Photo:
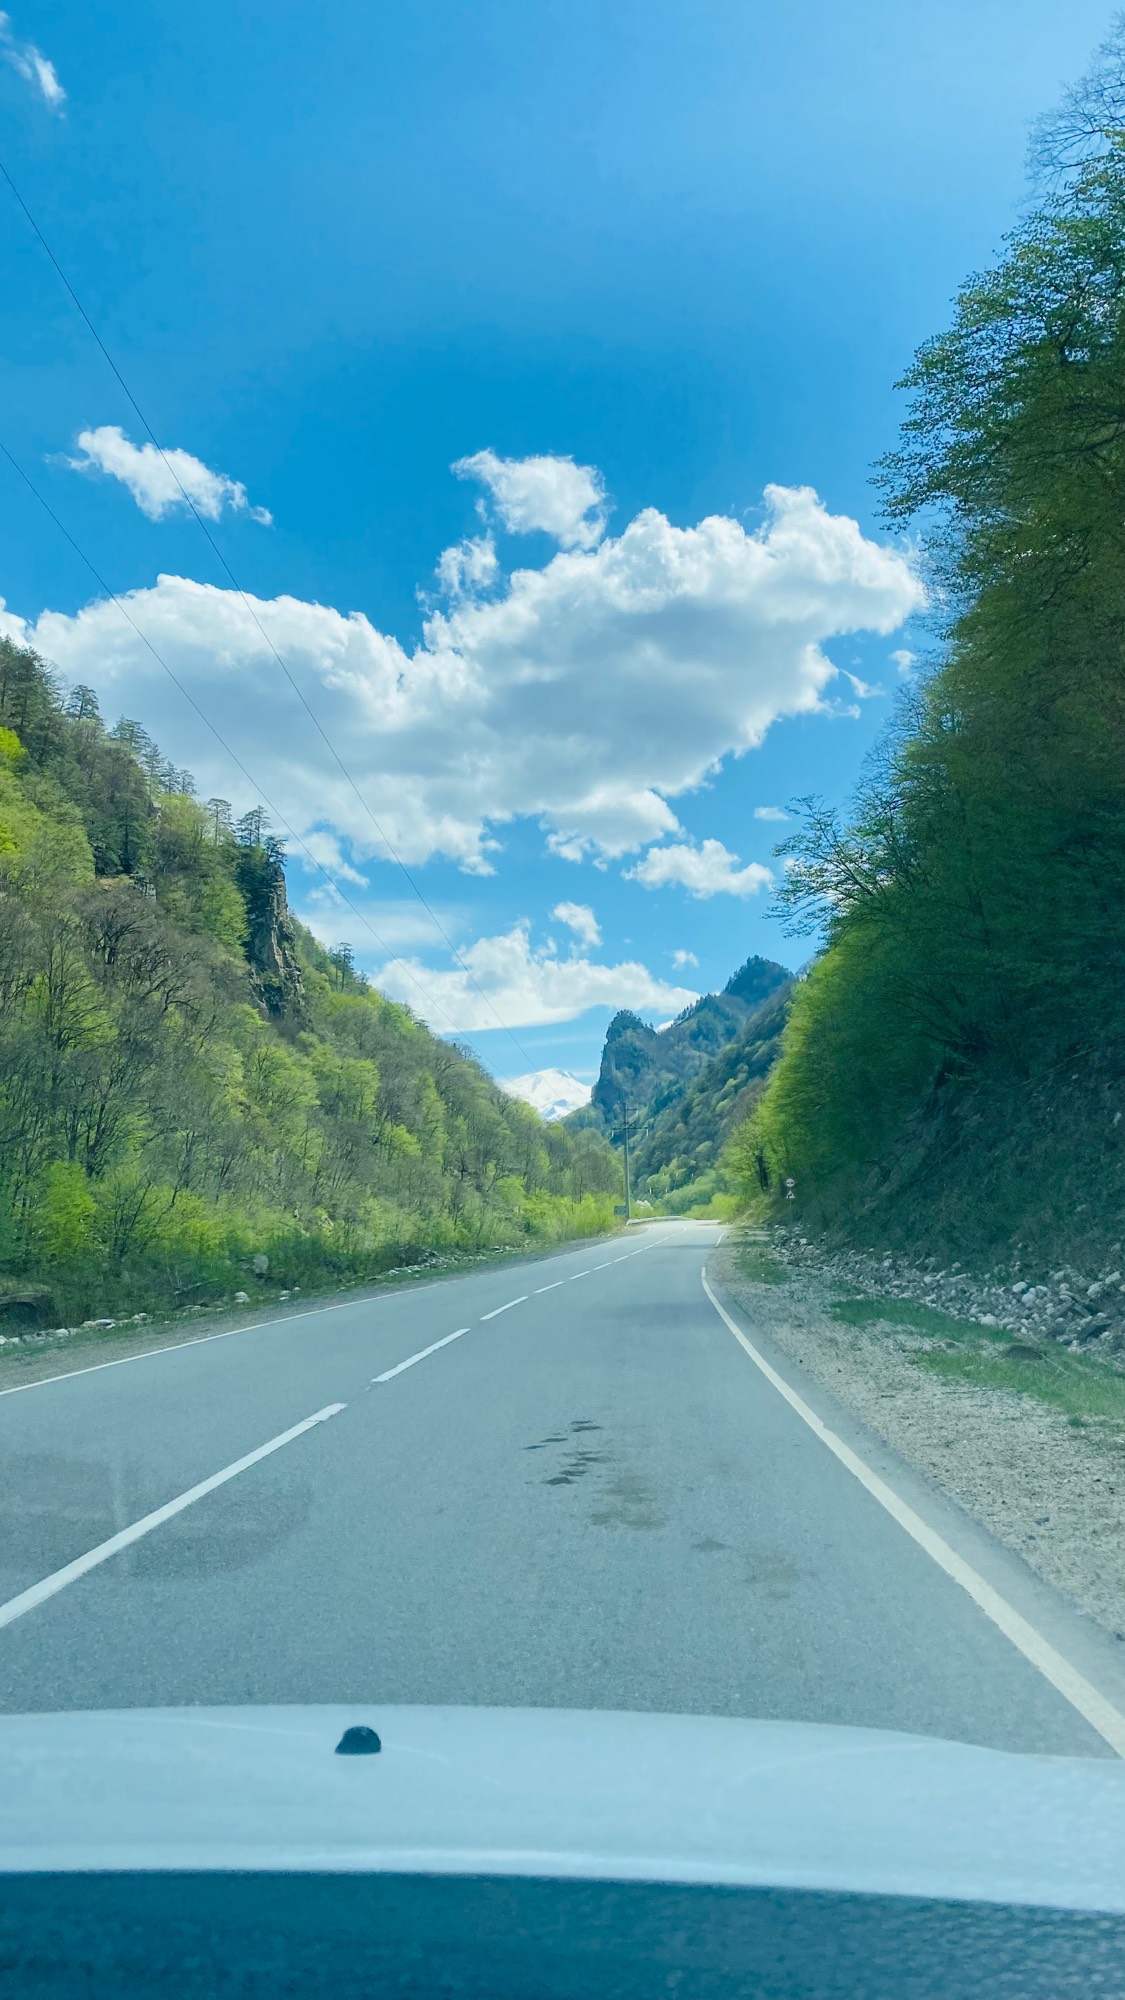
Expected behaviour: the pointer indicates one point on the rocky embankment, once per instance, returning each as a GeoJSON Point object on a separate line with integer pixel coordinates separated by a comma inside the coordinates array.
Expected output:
{"type": "Point", "coordinates": [1083, 1311]}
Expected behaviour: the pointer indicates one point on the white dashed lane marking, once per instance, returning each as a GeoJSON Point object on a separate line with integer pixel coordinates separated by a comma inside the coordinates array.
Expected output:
{"type": "Point", "coordinates": [507, 1307]}
{"type": "Point", "coordinates": [389, 1373]}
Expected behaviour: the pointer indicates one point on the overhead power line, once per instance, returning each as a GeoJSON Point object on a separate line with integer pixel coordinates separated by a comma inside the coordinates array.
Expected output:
{"type": "Point", "coordinates": [249, 607]}
{"type": "Point", "coordinates": [431, 1004]}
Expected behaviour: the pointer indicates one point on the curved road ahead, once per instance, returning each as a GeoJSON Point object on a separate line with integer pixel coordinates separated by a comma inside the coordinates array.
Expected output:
{"type": "Point", "coordinates": [587, 1494]}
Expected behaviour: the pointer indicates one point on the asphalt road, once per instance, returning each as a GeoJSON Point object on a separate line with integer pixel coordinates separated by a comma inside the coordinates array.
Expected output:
{"type": "Point", "coordinates": [590, 1497]}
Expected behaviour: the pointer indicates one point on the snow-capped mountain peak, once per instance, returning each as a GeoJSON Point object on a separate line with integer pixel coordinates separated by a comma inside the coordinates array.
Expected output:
{"type": "Point", "coordinates": [551, 1092]}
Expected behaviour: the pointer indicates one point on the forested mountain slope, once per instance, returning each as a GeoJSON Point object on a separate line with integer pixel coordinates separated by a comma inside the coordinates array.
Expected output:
{"type": "Point", "coordinates": [953, 1076]}
{"type": "Point", "coordinates": [688, 1085]}
{"type": "Point", "coordinates": [678, 1156]}
{"type": "Point", "coordinates": [189, 1083]}
{"type": "Point", "coordinates": [649, 1067]}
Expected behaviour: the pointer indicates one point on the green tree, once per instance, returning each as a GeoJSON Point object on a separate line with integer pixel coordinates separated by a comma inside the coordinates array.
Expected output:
{"type": "Point", "coordinates": [970, 906]}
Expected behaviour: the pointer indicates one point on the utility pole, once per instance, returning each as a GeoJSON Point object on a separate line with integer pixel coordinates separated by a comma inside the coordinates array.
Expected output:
{"type": "Point", "coordinates": [628, 1190]}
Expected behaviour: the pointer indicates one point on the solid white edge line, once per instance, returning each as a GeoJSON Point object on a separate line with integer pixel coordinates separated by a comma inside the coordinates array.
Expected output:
{"type": "Point", "coordinates": [38, 1593]}
{"type": "Point", "coordinates": [389, 1373]}
{"type": "Point", "coordinates": [1066, 1679]}
{"type": "Point", "coordinates": [497, 1310]}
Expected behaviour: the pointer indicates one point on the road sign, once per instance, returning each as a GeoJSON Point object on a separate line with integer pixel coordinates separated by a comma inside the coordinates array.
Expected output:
{"type": "Point", "coordinates": [621, 1209]}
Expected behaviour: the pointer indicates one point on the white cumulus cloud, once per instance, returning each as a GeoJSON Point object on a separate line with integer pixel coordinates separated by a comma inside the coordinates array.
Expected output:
{"type": "Point", "coordinates": [904, 660]}
{"type": "Point", "coordinates": [579, 918]}
{"type": "Point", "coordinates": [707, 870]}
{"type": "Point", "coordinates": [469, 565]}
{"type": "Point", "coordinates": [587, 695]}
{"type": "Point", "coordinates": [681, 958]}
{"type": "Point", "coordinates": [526, 986]}
{"type": "Point", "coordinates": [770, 812]}
{"type": "Point", "coordinates": [552, 494]}
{"type": "Point", "coordinates": [30, 63]}
{"type": "Point", "coordinates": [159, 480]}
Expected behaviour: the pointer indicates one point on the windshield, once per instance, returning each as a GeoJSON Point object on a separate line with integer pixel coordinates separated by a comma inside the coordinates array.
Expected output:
{"type": "Point", "coordinates": [562, 848]}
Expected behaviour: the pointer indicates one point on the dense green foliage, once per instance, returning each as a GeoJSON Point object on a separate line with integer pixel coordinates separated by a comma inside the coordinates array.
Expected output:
{"type": "Point", "coordinates": [189, 1082]}
{"type": "Point", "coordinates": [954, 1066]}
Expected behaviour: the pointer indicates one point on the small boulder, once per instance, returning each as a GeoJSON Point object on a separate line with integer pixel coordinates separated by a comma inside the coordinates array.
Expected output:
{"type": "Point", "coordinates": [242, 1298]}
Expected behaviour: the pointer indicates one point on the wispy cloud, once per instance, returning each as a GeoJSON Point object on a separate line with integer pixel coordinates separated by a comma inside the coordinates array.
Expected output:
{"type": "Point", "coordinates": [681, 958]}
{"type": "Point", "coordinates": [325, 848]}
{"type": "Point", "coordinates": [864, 690]}
{"type": "Point", "coordinates": [401, 924]}
{"type": "Point", "coordinates": [30, 63]}
{"type": "Point", "coordinates": [770, 812]}
{"type": "Point", "coordinates": [579, 918]}
{"type": "Point", "coordinates": [161, 481]}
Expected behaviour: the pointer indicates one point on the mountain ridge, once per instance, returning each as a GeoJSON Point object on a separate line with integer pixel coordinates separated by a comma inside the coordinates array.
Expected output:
{"type": "Point", "coordinates": [688, 1085]}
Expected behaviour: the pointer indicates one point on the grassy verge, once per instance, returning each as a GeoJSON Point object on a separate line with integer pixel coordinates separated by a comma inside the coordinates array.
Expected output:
{"type": "Point", "coordinates": [757, 1266]}
{"type": "Point", "coordinates": [867, 1311]}
{"type": "Point", "coordinates": [1088, 1393]}
{"type": "Point", "coordinates": [1085, 1391]}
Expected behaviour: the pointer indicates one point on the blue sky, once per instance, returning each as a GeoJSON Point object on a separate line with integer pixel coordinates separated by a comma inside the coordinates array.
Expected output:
{"type": "Point", "coordinates": [336, 251]}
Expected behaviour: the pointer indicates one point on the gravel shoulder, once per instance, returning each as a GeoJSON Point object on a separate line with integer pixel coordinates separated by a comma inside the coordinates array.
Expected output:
{"type": "Point", "coordinates": [1040, 1463]}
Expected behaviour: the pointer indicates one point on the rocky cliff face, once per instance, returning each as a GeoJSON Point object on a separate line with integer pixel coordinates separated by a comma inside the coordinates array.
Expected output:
{"type": "Point", "coordinates": [271, 948]}
{"type": "Point", "coordinates": [684, 1140]}
{"type": "Point", "coordinates": [652, 1068]}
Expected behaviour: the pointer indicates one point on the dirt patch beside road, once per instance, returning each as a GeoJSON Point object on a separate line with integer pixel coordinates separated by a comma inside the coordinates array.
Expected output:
{"type": "Point", "coordinates": [1029, 1440]}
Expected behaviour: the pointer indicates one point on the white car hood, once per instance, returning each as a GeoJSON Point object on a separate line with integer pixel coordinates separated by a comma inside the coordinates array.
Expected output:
{"type": "Point", "coordinates": [552, 1792]}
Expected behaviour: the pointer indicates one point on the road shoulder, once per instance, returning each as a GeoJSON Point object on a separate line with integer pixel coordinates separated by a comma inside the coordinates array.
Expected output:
{"type": "Point", "coordinates": [1050, 1491]}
